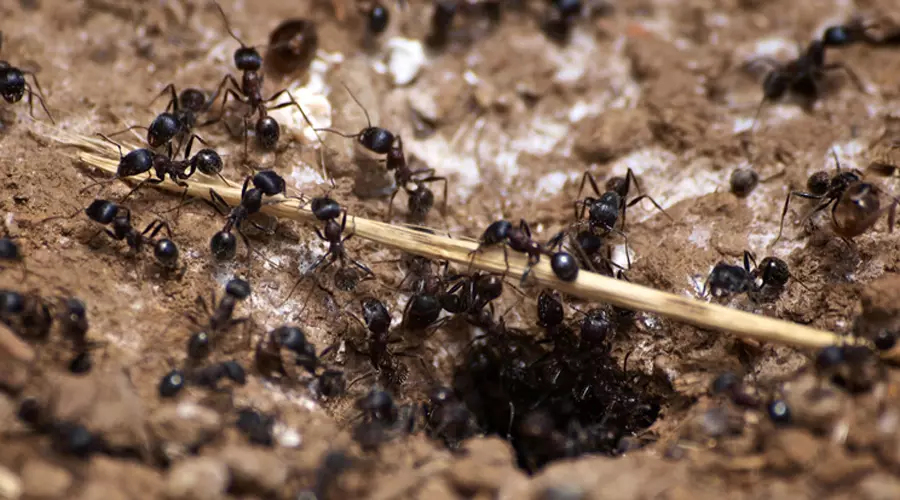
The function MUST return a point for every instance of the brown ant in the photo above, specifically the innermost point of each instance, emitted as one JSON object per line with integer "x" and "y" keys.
{"x": 855, "y": 205}
{"x": 249, "y": 61}
{"x": 376, "y": 139}
{"x": 421, "y": 199}
{"x": 13, "y": 86}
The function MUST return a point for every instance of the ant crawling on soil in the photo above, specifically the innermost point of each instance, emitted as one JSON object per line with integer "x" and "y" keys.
{"x": 376, "y": 139}
{"x": 265, "y": 183}
{"x": 421, "y": 199}
{"x": 377, "y": 320}
{"x": 119, "y": 217}
{"x": 855, "y": 205}
{"x": 178, "y": 120}
{"x": 26, "y": 314}
{"x": 801, "y": 76}
{"x": 281, "y": 349}
{"x": 447, "y": 417}
{"x": 855, "y": 368}
{"x": 726, "y": 279}
{"x": 328, "y": 210}
{"x": 257, "y": 426}
{"x": 67, "y": 438}
{"x": 13, "y": 86}
{"x": 219, "y": 320}
{"x": 140, "y": 161}
{"x": 249, "y": 61}
{"x": 383, "y": 419}
{"x": 208, "y": 376}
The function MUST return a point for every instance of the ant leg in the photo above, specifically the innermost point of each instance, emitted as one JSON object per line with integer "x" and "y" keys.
{"x": 748, "y": 258}
{"x": 588, "y": 176}
{"x": 138, "y": 186}
{"x": 556, "y": 240}
{"x": 129, "y": 129}
{"x": 627, "y": 253}
{"x": 39, "y": 95}
{"x": 631, "y": 179}
{"x": 432, "y": 178}
{"x": 391, "y": 204}
{"x": 228, "y": 92}
{"x": 218, "y": 202}
{"x": 638, "y": 200}
{"x": 293, "y": 103}
{"x": 524, "y": 226}
{"x": 362, "y": 267}
{"x": 849, "y": 72}
{"x": 235, "y": 87}
{"x": 172, "y": 102}
{"x": 787, "y": 202}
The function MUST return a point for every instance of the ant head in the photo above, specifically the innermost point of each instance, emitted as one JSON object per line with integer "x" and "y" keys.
{"x": 774, "y": 271}
{"x": 12, "y": 84}
{"x": 237, "y": 288}
{"x": 376, "y": 316}
{"x": 838, "y": 36}
{"x": 290, "y": 337}
{"x": 208, "y": 162}
{"x": 830, "y": 357}
{"x": 378, "y": 18}
{"x": 818, "y": 183}
{"x": 102, "y": 211}
{"x": 192, "y": 99}
{"x": 235, "y": 372}
{"x": 171, "y": 384}
{"x": 332, "y": 383}
{"x": 223, "y": 245}
{"x": 496, "y": 232}
{"x": 11, "y": 302}
{"x": 247, "y": 59}
{"x": 885, "y": 340}
{"x": 166, "y": 252}
{"x": 377, "y": 139}
{"x": 162, "y": 129}
{"x": 9, "y": 250}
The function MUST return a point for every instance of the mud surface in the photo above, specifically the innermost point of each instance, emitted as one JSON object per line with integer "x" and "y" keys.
{"x": 512, "y": 120}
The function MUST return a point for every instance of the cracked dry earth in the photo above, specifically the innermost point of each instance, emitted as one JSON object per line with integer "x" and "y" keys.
{"x": 513, "y": 120}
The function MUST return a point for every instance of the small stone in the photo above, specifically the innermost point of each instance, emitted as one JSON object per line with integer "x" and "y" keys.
{"x": 612, "y": 134}
{"x": 41, "y": 479}
{"x": 406, "y": 59}
{"x": 254, "y": 468}
{"x": 201, "y": 478}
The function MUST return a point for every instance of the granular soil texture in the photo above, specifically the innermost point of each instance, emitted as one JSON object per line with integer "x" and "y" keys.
{"x": 512, "y": 118}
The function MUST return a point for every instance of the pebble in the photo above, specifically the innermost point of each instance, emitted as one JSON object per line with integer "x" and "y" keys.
{"x": 315, "y": 105}
{"x": 255, "y": 469}
{"x": 202, "y": 478}
{"x": 406, "y": 59}
{"x": 612, "y": 134}
{"x": 41, "y": 479}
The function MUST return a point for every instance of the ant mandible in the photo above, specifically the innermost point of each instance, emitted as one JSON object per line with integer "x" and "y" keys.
{"x": 13, "y": 86}
{"x": 249, "y": 61}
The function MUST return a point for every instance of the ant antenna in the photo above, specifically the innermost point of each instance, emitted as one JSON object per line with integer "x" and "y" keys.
{"x": 837, "y": 162}
{"x": 107, "y": 139}
{"x": 366, "y": 112}
{"x": 228, "y": 26}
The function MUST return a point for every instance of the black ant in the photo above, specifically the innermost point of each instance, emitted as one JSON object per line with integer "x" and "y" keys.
{"x": 119, "y": 217}
{"x": 209, "y": 376}
{"x": 383, "y": 419}
{"x": 377, "y": 321}
{"x": 855, "y": 205}
{"x": 604, "y": 211}
{"x": 421, "y": 199}
{"x": 142, "y": 160}
{"x": 28, "y": 315}
{"x": 224, "y": 244}
{"x": 560, "y": 18}
{"x": 517, "y": 237}
{"x": 377, "y": 18}
{"x": 327, "y": 210}
{"x": 257, "y": 426}
{"x": 801, "y": 76}
{"x": 855, "y": 368}
{"x": 376, "y": 139}
{"x": 249, "y": 91}
{"x": 13, "y": 86}
{"x": 67, "y": 438}
{"x": 448, "y": 418}
{"x": 727, "y": 279}
{"x": 179, "y": 118}
{"x": 271, "y": 351}
{"x": 441, "y": 22}
{"x": 219, "y": 320}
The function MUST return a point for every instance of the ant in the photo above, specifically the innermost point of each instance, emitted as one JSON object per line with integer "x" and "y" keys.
{"x": 604, "y": 210}
{"x": 224, "y": 244}
{"x": 855, "y": 368}
{"x": 28, "y": 315}
{"x": 140, "y": 161}
{"x": 382, "y": 419}
{"x": 220, "y": 319}
{"x": 291, "y": 340}
{"x": 448, "y": 418}
{"x": 178, "y": 120}
{"x": 249, "y": 61}
{"x": 13, "y": 86}
{"x": 327, "y": 210}
{"x": 731, "y": 386}
{"x": 377, "y": 321}
{"x": 517, "y": 237}
{"x": 421, "y": 199}
{"x": 801, "y": 76}
{"x": 257, "y": 426}
{"x": 441, "y": 22}
{"x": 173, "y": 382}
{"x": 376, "y": 139}
{"x": 560, "y": 18}
{"x": 108, "y": 213}
{"x": 67, "y": 438}
{"x": 855, "y": 205}
{"x": 727, "y": 279}
{"x": 377, "y": 18}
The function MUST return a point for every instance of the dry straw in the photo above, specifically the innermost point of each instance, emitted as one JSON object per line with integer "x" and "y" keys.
{"x": 589, "y": 286}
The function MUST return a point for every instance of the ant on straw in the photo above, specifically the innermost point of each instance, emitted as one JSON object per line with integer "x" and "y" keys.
{"x": 249, "y": 61}
{"x": 376, "y": 139}
{"x": 855, "y": 205}
{"x": 13, "y": 86}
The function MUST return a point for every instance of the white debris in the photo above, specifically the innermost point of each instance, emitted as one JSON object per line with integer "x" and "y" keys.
{"x": 406, "y": 59}
{"x": 316, "y": 107}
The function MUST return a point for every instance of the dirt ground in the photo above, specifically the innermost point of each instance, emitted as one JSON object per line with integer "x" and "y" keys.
{"x": 656, "y": 86}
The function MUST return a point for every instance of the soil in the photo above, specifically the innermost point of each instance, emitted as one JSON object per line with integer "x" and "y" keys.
{"x": 515, "y": 119}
